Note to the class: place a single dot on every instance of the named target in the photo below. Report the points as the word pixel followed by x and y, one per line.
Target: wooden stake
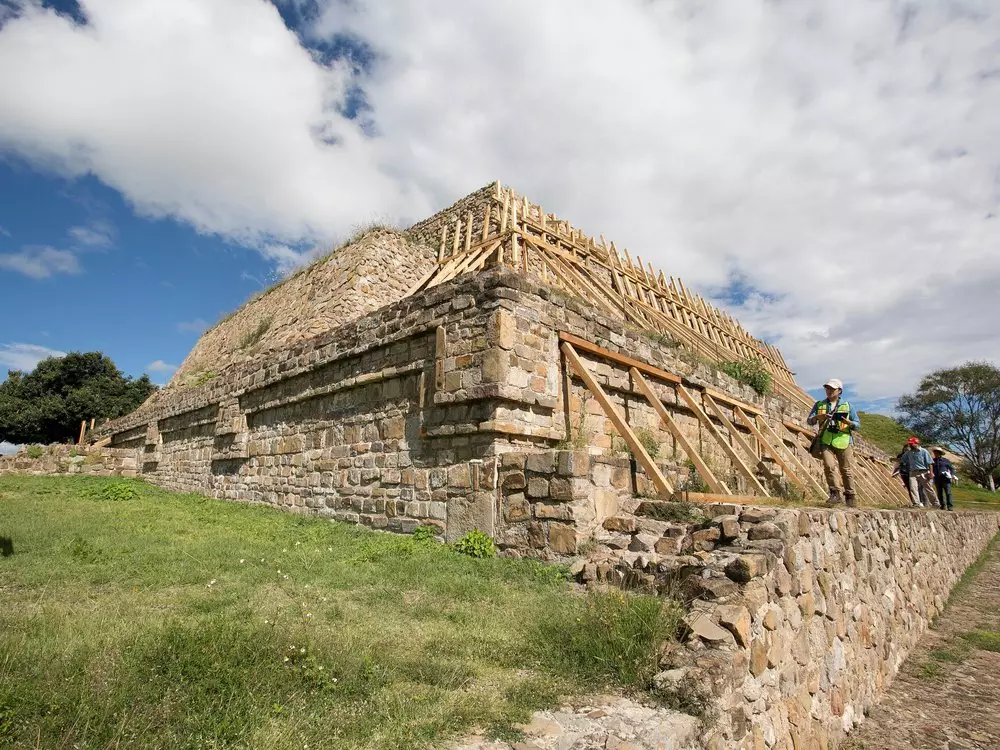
pixel 714 432
pixel 696 459
pixel 641 455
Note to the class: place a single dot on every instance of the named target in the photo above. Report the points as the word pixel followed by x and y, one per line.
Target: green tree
pixel 960 408
pixel 48 404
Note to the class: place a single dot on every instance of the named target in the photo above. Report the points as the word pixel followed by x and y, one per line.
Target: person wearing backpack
pixel 837 420
pixel 944 475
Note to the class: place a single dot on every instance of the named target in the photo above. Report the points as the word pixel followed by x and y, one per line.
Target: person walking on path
pixel 920 466
pixel 837 420
pixel 944 475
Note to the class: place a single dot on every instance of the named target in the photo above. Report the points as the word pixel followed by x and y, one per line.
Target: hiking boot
pixel 851 501
pixel 834 498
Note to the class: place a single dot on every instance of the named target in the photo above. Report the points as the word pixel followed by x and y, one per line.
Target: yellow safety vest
pixel 838 430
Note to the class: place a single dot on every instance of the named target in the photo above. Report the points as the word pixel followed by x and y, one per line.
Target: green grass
pixel 973 497
pixel 162 620
pixel 885 432
pixel 983 639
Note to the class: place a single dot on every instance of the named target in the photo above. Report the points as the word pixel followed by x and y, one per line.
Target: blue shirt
pixel 916 461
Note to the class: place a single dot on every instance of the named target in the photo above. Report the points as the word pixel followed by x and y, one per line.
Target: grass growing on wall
pixel 136 617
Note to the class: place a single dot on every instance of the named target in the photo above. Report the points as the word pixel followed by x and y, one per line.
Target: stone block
pixel 562 539
pixel 625 524
pixel 548 512
pixel 538 487
pixel 736 620
pixel 746 567
pixel 560 489
pixel 574 463
pixel 643 543
pixel 541 463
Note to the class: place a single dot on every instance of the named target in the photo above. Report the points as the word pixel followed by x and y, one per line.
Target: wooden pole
pixel 699 464
pixel 641 455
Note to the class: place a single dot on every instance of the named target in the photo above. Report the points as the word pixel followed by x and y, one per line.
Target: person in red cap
pixel 920 467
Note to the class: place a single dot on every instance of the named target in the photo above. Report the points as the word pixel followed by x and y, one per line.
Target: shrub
pixel 424 534
pixel 749 372
pixel 678 511
pixel 35 451
pixel 476 544
pixel 114 491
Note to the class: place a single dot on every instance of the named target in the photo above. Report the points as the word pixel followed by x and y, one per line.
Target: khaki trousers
pixel 921 489
pixel 838 466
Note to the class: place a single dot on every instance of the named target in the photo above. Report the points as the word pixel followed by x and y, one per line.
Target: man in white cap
pixel 837 420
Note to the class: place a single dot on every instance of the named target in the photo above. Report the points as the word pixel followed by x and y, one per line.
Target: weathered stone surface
pixel 737 621
pixel 745 567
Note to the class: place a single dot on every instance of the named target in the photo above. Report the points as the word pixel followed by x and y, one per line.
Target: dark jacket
pixel 942 469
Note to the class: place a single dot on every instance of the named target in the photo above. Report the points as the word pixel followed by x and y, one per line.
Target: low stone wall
pixel 799 619
pixel 67 459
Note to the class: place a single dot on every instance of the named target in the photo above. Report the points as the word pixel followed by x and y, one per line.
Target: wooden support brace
pixel 766 428
pixel 736 434
pixel 699 464
pixel 770 449
pixel 714 432
pixel 641 455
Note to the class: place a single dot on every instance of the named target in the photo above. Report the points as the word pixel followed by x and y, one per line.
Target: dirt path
pixel 946 695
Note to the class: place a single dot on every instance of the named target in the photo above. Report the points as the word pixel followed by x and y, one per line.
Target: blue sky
pixel 827 175
pixel 144 288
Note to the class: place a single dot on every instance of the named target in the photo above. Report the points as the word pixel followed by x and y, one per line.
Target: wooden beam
pixel 696 459
pixel 617 358
pixel 83 429
pixel 720 439
pixel 736 434
pixel 770 449
pixel 641 455
pixel 780 443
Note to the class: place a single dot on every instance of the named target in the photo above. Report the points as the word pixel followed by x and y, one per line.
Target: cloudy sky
pixel 828 172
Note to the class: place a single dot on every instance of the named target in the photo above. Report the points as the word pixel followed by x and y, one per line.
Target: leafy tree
pixel 48 404
pixel 960 408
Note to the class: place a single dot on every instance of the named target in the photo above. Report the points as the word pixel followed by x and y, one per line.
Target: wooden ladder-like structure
pixel 743 449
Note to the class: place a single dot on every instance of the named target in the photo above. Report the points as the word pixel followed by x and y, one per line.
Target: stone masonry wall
pixel 405 416
pixel 68 459
pixel 372 272
pixel 798 618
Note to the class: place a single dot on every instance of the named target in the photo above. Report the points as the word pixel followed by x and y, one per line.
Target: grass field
pixel 175 621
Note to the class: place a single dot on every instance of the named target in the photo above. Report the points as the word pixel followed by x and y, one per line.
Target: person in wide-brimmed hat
pixel 920 466
pixel 944 475
pixel 837 420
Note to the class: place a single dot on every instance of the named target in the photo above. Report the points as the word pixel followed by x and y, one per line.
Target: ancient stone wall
pixel 60 459
pixel 376 270
pixel 798 618
pixel 428 232
pixel 406 416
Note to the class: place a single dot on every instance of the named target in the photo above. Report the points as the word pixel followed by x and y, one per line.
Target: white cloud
pixel 40 261
pixel 4 232
pixel 96 234
pixel 210 112
pixel 159 365
pixel 197 325
pixel 24 357
pixel 842 161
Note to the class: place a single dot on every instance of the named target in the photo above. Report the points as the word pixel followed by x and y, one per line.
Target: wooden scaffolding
pixel 510 230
